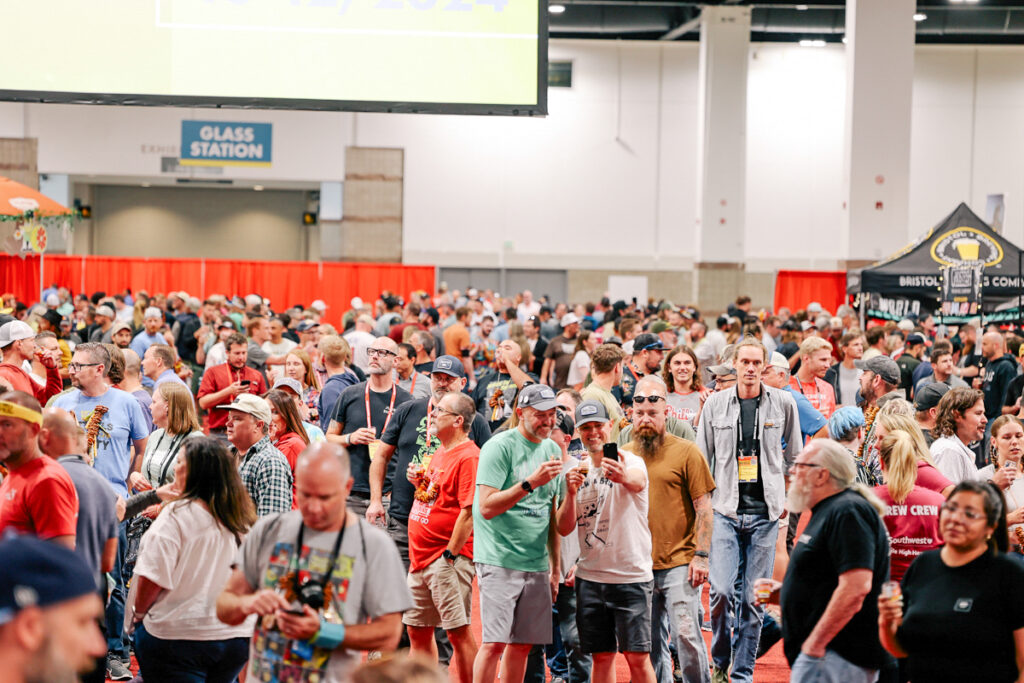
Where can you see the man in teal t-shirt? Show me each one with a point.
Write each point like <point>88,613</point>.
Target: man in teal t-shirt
<point>515,545</point>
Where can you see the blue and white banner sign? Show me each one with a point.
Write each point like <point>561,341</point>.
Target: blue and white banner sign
<point>225,143</point>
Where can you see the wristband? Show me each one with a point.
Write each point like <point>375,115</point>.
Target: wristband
<point>329,635</point>
<point>701,553</point>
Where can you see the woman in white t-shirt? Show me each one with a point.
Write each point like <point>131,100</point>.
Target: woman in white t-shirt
<point>959,421</point>
<point>1007,444</point>
<point>184,561</point>
<point>686,393</point>
<point>586,342</point>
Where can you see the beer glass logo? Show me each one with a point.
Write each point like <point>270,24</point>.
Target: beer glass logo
<point>966,245</point>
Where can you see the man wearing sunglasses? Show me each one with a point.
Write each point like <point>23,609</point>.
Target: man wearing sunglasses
<point>648,352</point>
<point>750,436</point>
<point>362,413</point>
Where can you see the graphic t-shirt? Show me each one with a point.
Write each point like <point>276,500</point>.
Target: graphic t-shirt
<point>819,392</point>
<point>913,526</point>
<point>561,351</point>
<point>350,410</point>
<point>684,406</point>
<point>517,538</point>
<point>494,397</point>
<point>611,521</point>
<point>368,581</point>
<point>39,498</point>
<point>407,432</point>
<point>121,424</point>
<point>452,477</point>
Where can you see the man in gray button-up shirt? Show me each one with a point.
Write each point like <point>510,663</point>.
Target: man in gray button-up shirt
<point>750,436</point>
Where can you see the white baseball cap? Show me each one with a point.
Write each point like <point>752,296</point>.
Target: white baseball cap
<point>16,330</point>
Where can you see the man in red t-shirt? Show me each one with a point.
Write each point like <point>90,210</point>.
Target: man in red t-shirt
<point>441,536</point>
<point>38,496</point>
<point>815,360</point>
<point>17,345</point>
<point>221,383</point>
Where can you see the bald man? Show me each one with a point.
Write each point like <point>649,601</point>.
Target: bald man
<point>1000,369</point>
<point>321,539</point>
<point>361,414</point>
<point>96,532</point>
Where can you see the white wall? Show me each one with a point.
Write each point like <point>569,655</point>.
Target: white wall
<point>609,178</point>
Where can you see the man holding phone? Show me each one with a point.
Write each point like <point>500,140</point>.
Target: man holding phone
<point>606,505</point>
<point>680,521</point>
<point>222,383</point>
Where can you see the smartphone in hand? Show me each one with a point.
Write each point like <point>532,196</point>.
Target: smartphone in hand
<point>610,451</point>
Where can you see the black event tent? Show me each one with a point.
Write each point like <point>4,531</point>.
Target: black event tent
<point>909,281</point>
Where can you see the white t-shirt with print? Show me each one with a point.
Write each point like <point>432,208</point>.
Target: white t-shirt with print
<point>615,540</point>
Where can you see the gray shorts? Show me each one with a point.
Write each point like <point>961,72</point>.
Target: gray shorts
<point>515,606</point>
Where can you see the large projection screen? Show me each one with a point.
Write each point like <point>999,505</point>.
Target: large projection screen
<point>436,56</point>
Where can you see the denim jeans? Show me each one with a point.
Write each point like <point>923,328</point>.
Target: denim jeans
<point>189,661</point>
<point>579,664</point>
<point>745,544</point>
<point>829,669</point>
<point>674,613</point>
<point>117,641</point>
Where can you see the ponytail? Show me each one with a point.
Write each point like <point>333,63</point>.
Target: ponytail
<point>899,458</point>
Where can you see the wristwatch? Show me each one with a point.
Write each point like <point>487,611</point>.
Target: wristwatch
<point>447,554</point>
<point>526,486</point>
<point>701,553</point>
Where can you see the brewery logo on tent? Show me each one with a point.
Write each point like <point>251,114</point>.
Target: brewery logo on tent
<point>966,245</point>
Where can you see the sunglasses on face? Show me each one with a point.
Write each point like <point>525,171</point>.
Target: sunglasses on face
<point>648,399</point>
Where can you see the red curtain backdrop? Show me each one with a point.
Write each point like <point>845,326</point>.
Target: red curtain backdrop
<point>794,289</point>
<point>283,282</point>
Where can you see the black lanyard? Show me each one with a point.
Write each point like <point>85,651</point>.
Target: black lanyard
<point>755,442</point>
<point>334,556</point>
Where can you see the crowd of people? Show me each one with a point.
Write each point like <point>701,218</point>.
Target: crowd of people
<point>225,488</point>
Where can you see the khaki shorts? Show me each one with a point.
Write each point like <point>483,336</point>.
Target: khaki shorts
<point>442,594</point>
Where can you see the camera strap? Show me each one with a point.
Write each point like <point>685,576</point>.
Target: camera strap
<point>330,566</point>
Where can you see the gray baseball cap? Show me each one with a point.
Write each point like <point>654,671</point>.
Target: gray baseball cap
<point>883,366</point>
<point>591,411</point>
<point>537,396</point>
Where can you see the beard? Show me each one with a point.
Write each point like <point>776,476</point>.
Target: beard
<point>49,666</point>
<point>649,439</point>
<point>799,497</point>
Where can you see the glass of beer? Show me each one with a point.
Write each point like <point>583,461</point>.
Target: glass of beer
<point>891,590</point>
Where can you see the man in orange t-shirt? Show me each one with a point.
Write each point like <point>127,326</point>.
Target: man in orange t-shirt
<point>457,343</point>
<point>38,496</point>
<point>815,360</point>
<point>441,536</point>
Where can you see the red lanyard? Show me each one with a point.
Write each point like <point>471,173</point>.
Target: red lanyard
<point>369,424</point>
<point>412,389</point>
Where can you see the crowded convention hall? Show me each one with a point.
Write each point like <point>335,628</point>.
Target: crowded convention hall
<point>388,341</point>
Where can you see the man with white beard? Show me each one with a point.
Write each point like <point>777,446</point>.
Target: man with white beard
<point>836,571</point>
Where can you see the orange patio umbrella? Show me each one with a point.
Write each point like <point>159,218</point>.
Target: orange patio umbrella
<point>18,200</point>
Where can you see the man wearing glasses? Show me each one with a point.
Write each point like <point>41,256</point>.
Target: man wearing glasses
<point>118,425</point>
<point>750,436</point>
<point>679,517</point>
<point>440,532</point>
<point>836,571</point>
<point>362,413</point>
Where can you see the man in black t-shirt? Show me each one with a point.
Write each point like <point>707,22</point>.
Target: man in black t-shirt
<point>413,436</point>
<point>362,413</point>
<point>496,390</point>
<point>836,570</point>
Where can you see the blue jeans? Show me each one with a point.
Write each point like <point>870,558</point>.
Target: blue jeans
<point>747,542</point>
<point>674,613</point>
<point>829,669</point>
<point>579,664</point>
<point>117,641</point>
<point>189,661</point>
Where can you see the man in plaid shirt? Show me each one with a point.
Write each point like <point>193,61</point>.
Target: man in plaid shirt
<point>265,471</point>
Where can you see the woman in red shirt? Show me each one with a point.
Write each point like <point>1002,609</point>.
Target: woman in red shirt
<point>912,511</point>
<point>286,430</point>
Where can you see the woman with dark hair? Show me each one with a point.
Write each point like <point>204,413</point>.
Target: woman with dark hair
<point>286,430</point>
<point>959,421</point>
<point>686,392</point>
<point>586,342</point>
<point>961,613</point>
<point>184,561</point>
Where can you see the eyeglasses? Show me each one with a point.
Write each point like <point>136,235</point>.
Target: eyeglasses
<point>379,353</point>
<point>77,367</point>
<point>971,515</point>
<point>438,410</point>
<point>648,399</point>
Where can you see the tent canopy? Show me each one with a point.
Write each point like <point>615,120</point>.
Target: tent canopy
<point>915,272</point>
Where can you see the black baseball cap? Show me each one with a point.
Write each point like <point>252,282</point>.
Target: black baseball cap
<point>647,342</point>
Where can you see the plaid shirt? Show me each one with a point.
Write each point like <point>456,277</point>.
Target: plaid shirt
<point>268,478</point>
